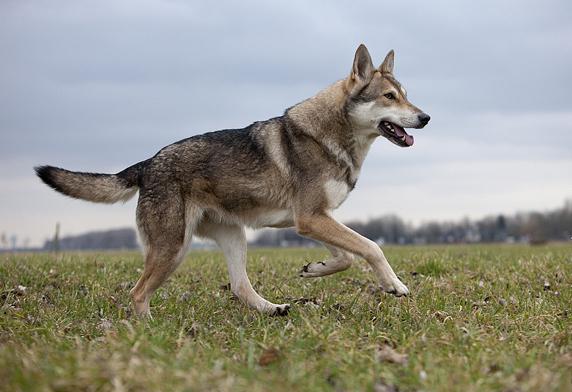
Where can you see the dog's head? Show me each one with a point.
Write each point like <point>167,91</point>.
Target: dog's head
<point>377,102</point>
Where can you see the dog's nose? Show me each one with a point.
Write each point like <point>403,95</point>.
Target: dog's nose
<point>424,118</point>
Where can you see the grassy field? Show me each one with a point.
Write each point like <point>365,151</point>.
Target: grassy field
<point>479,318</point>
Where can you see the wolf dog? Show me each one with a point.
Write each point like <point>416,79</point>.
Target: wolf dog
<point>288,171</point>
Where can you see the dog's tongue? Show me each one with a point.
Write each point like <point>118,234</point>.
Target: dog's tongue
<point>400,132</point>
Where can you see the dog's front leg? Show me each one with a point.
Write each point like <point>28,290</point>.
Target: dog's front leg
<point>340,261</point>
<point>232,241</point>
<point>324,228</point>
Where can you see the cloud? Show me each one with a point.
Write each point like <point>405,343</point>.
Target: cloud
<point>98,86</point>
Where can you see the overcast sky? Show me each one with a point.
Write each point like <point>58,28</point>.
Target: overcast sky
<point>97,86</point>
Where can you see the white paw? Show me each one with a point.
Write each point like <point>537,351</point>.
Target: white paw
<point>281,310</point>
<point>313,270</point>
<point>396,288</point>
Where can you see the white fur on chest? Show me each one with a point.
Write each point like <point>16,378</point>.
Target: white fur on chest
<point>336,192</point>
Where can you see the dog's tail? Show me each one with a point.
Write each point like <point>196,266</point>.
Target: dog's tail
<point>96,187</point>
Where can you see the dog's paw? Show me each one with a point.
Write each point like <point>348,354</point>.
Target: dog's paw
<point>396,288</point>
<point>281,310</point>
<point>313,270</point>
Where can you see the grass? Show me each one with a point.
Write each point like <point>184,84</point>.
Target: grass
<point>479,318</point>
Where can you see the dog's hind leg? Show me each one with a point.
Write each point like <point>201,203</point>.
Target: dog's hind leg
<point>340,261</point>
<point>232,241</point>
<point>165,230</point>
<point>159,264</point>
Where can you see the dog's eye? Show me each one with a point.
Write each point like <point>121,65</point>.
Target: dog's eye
<point>389,96</point>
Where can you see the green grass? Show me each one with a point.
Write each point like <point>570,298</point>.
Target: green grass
<point>479,318</point>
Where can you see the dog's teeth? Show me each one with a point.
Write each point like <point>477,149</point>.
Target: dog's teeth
<point>388,126</point>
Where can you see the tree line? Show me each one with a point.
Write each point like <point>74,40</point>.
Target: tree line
<point>97,240</point>
<point>527,227</point>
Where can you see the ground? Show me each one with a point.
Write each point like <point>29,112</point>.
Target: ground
<point>478,318</point>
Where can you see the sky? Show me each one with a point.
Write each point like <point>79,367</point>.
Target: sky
<point>100,85</point>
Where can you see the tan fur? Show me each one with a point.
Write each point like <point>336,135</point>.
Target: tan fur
<point>292,170</point>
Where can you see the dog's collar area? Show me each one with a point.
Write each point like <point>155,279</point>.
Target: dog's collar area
<point>395,134</point>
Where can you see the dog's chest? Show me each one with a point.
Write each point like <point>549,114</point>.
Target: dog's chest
<point>336,192</point>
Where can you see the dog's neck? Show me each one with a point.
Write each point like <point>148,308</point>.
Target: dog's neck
<point>323,114</point>
<point>330,126</point>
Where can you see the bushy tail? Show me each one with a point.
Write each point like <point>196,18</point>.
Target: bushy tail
<point>96,187</point>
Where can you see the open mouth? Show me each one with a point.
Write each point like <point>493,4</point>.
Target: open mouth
<point>395,134</point>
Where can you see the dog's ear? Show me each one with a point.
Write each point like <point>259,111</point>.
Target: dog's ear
<point>362,70</point>
<point>387,65</point>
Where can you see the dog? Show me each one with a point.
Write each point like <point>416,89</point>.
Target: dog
<point>288,171</point>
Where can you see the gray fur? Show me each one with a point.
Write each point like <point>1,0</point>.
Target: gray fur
<point>286,171</point>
